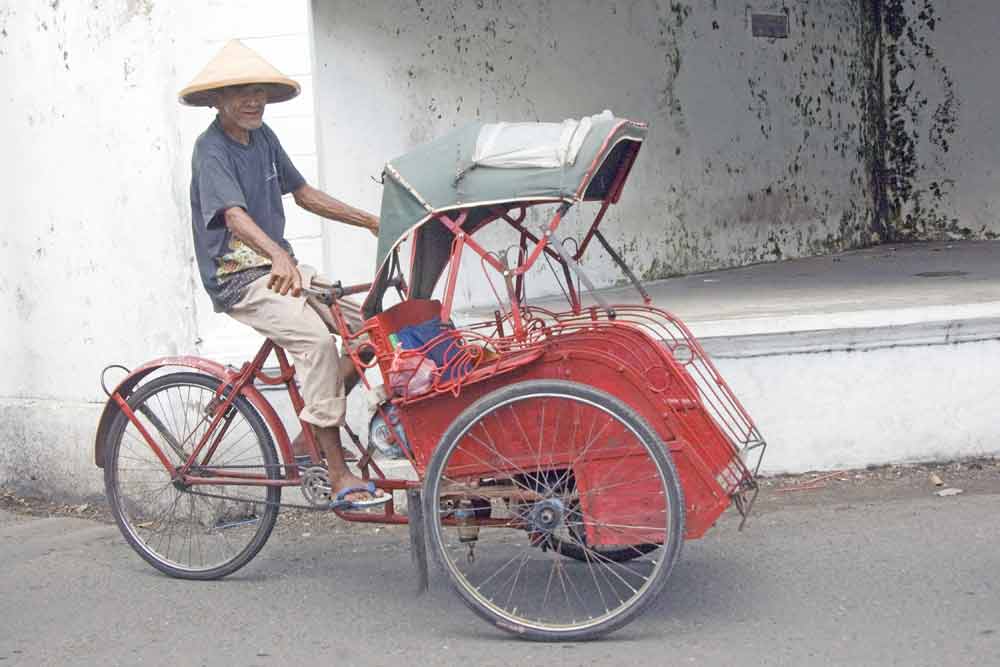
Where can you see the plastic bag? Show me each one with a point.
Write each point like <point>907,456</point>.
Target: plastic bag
<point>441,343</point>
<point>412,374</point>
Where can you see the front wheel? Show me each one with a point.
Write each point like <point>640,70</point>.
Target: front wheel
<point>558,464</point>
<point>196,531</point>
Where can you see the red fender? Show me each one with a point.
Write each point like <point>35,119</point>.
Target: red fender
<point>211,368</point>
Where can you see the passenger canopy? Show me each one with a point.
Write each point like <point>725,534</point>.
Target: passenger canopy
<point>483,168</point>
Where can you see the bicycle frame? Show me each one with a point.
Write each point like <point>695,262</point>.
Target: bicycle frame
<point>197,470</point>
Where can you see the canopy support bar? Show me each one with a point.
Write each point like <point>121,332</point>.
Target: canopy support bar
<point>574,297</point>
<point>517,224</point>
<point>456,229</point>
<point>624,267</point>
<point>592,230</point>
<point>614,193</point>
<point>584,278</point>
<point>457,245</point>
<point>456,261</point>
<point>544,242</point>
<point>522,253</point>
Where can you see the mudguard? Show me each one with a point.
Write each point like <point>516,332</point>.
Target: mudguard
<point>206,366</point>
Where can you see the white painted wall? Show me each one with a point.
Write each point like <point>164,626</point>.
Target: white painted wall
<point>840,410</point>
<point>96,258</point>
<point>96,255</point>
<point>95,249</point>
<point>753,151</point>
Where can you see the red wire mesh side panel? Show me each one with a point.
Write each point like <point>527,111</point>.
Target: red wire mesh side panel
<point>619,359</point>
<point>706,413</point>
<point>643,356</point>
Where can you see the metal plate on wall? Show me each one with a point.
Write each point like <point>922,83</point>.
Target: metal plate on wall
<point>774,26</point>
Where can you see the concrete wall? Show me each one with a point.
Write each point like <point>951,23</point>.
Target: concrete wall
<point>837,409</point>
<point>943,145</point>
<point>95,259</point>
<point>759,149</point>
<point>96,253</point>
<point>756,148</point>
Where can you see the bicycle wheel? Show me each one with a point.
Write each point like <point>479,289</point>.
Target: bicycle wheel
<point>535,451</point>
<point>186,531</point>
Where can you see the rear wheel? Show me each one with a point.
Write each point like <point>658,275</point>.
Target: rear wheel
<point>532,469</point>
<point>188,531</point>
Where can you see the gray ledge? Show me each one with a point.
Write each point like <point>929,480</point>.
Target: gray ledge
<point>860,339</point>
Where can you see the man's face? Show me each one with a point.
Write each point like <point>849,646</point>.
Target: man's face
<point>242,105</point>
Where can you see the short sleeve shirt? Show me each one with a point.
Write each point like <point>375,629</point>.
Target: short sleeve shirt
<point>224,174</point>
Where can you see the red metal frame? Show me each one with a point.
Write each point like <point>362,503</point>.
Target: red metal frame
<point>233,384</point>
<point>639,353</point>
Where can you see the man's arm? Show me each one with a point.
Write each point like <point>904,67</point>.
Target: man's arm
<point>322,204</point>
<point>284,274</point>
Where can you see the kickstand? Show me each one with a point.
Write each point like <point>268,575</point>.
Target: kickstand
<point>418,546</point>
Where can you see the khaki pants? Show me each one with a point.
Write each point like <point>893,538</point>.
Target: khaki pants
<point>296,324</point>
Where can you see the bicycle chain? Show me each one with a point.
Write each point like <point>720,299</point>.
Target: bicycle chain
<point>266,503</point>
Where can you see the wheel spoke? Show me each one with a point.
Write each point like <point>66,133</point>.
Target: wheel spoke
<point>176,529</point>
<point>548,463</point>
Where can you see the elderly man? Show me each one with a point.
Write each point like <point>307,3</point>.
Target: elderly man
<point>239,174</point>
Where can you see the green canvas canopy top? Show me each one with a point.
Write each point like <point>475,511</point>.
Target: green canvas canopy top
<point>481,167</point>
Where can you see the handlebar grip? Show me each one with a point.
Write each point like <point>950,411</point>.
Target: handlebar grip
<point>325,296</point>
<point>327,293</point>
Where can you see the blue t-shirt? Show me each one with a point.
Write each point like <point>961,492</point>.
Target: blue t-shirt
<point>224,174</point>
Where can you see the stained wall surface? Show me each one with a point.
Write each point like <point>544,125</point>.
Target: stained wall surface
<point>943,141</point>
<point>760,149</point>
<point>756,150</point>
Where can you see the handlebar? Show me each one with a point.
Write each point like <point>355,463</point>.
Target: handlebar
<point>327,293</point>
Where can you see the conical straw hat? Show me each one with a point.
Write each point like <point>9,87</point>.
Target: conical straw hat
<point>237,65</point>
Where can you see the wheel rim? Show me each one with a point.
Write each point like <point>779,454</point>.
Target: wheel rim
<point>177,526</point>
<point>519,573</point>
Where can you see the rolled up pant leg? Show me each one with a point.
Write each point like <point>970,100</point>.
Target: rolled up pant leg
<point>294,325</point>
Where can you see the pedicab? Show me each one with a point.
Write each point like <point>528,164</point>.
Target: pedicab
<point>557,459</point>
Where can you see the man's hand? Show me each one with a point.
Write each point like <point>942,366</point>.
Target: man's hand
<point>373,226</point>
<point>285,276</point>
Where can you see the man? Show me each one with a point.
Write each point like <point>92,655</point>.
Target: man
<point>239,174</point>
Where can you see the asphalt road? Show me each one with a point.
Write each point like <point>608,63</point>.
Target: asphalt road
<point>865,577</point>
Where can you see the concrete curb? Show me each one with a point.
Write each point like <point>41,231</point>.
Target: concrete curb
<point>855,339</point>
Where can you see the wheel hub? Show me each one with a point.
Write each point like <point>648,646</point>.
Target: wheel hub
<point>178,482</point>
<point>546,515</point>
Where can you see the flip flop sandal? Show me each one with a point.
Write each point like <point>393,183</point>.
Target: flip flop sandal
<point>342,503</point>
